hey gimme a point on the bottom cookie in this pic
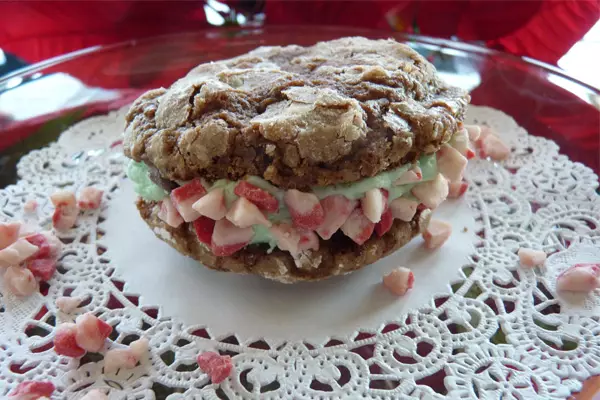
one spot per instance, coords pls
(336, 256)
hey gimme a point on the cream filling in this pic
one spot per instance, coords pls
(148, 190)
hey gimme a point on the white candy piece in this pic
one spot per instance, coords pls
(9, 233)
(64, 217)
(30, 206)
(95, 394)
(457, 189)
(54, 242)
(432, 193)
(337, 209)
(413, 175)
(212, 204)
(494, 148)
(474, 132)
(579, 278)
(115, 359)
(308, 241)
(451, 163)
(461, 142)
(68, 304)
(227, 234)
(88, 335)
(531, 258)
(436, 234)
(89, 198)
(287, 237)
(17, 252)
(373, 204)
(404, 209)
(139, 348)
(399, 281)
(185, 196)
(169, 214)
(244, 214)
(20, 281)
(63, 198)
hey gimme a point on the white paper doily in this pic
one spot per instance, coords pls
(476, 325)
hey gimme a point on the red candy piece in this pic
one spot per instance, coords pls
(42, 268)
(64, 217)
(358, 227)
(457, 189)
(31, 390)
(305, 209)
(308, 241)
(185, 196)
(91, 332)
(216, 366)
(336, 208)
(191, 189)
(65, 343)
(385, 223)
(204, 228)
(228, 238)
(260, 197)
(39, 240)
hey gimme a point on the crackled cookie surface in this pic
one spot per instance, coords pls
(297, 116)
(298, 163)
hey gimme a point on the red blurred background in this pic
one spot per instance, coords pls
(540, 29)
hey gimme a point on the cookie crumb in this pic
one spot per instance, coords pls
(465, 229)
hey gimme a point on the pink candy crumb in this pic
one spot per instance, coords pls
(68, 304)
(115, 359)
(531, 258)
(216, 366)
(436, 234)
(30, 206)
(32, 390)
(399, 281)
(89, 198)
(583, 277)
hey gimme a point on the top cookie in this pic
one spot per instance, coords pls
(334, 112)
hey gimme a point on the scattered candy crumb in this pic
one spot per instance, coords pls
(89, 198)
(9, 233)
(20, 281)
(436, 234)
(30, 206)
(115, 359)
(531, 258)
(68, 304)
(217, 367)
(457, 189)
(140, 347)
(32, 390)
(583, 277)
(399, 281)
(65, 343)
(490, 145)
(17, 252)
(65, 211)
(92, 332)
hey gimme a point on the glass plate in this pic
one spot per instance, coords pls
(37, 103)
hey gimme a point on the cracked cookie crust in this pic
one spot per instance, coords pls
(332, 113)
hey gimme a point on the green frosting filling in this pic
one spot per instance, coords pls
(142, 184)
(138, 173)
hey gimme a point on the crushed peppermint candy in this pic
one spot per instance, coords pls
(216, 366)
(399, 281)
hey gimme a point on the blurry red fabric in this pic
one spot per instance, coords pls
(541, 29)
